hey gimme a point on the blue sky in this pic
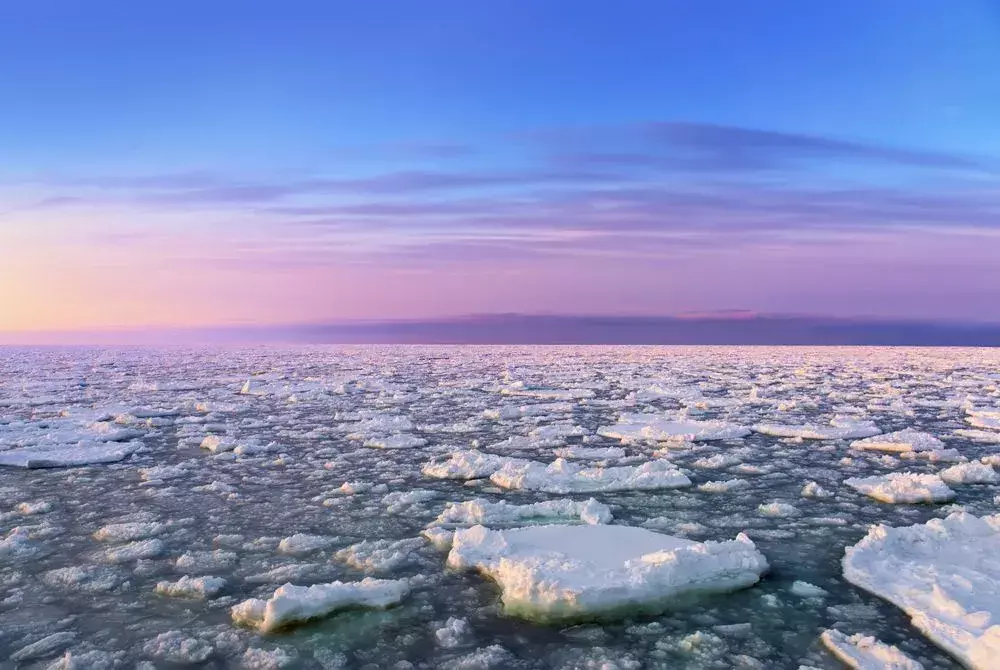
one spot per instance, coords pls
(434, 125)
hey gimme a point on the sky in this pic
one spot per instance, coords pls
(192, 164)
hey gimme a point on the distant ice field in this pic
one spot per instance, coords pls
(455, 507)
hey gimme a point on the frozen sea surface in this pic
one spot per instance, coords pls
(237, 471)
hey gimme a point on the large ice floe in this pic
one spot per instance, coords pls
(903, 487)
(945, 575)
(567, 572)
(297, 604)
(839, 428)
(562, 476)
(66, 442)
(657, 428)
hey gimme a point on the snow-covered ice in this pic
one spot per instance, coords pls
(863, 652)
(493, 514)
(558, 572)
(297, 604)
(944, 575)
(901, 440)
(562, 476)
(903, 487)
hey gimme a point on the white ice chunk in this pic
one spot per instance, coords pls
(970, 473)
(468, 464)
(563, 477)
(945, 575)
(191, 587)
(655, 428)
(902, 440)
(502, 513)
(398, 441)
(590, 453)
(903, 487)
(295, 604)
(863, 652)
(723, 486)
(839, 428)
(553, 572)
(301, 544)
(83, 453)
(814, 490)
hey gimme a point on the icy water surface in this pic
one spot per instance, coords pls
(302, 422)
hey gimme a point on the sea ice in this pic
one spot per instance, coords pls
(863, 652)
(944, 574)
(656, 428)
(562, 477)
(374, 556)
(590, 453)
(301, 544)
(838, 429)
(295, 604)
(84, 453)
(970, 473)
(814, 490)
(192, 587)
(397, 441)
(468, 464)
(903, 487)
(502, 513)
(903, 440)
(556, 572)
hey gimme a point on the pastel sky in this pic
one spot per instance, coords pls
(192, 162)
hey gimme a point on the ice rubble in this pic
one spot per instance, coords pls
(903, 487)
(902, 440)
(839, 428)
(295, 604)
(944, 575)
(863, 652)
(562, 476)
(657, 428)
(502, 513)
(558, 572)
(397, 441)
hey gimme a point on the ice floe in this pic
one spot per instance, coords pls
(903, 487)
(863, 652)
(903, 440)
(562, 477)
(838, 429)
(192, 587)
(297, 604)
(970, 473)
(944, 575)
(557, 572)
(656, 428)
(493, 514)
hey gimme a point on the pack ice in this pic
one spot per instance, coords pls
(566, 572)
